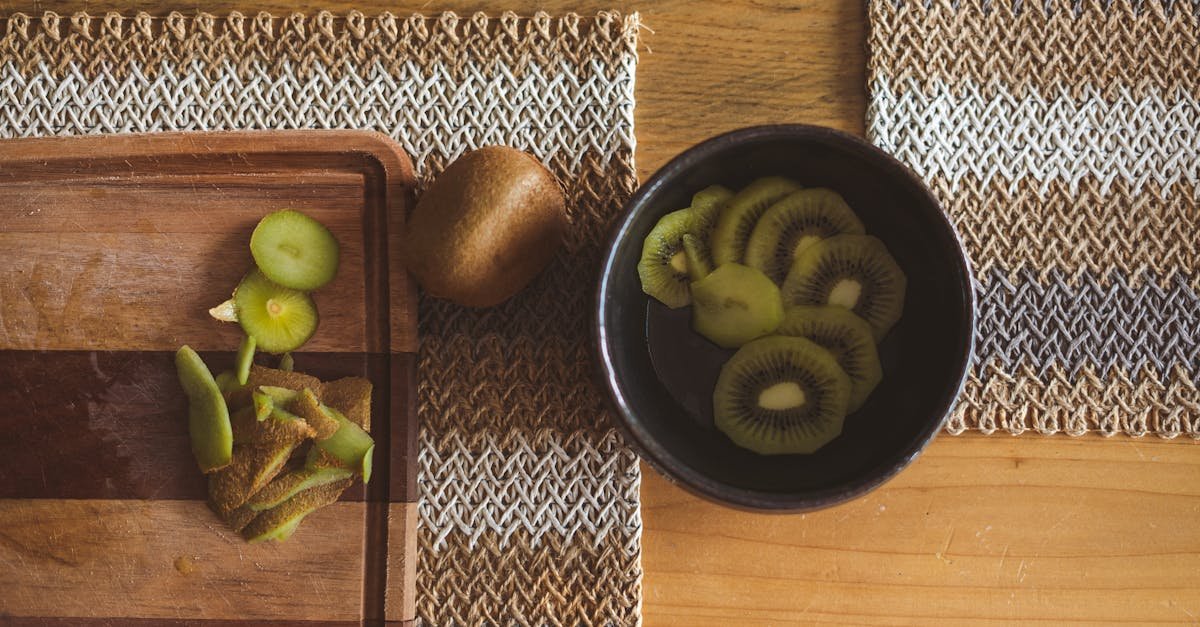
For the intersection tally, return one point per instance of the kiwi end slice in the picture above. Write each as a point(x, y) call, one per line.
point(245, 357)
point(855, 272)
point(794, 223)
point(208, 415)
point(663, 266)
point(741, 213)
point(280, 319)
point(735, 304)
point(847, 337)
point(781, 395)
point(292, 483)
point(294, 250)
point(281, 521)
point(706, 208)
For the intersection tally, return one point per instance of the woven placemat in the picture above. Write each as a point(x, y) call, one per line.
point(529, 508)
point(1064, 140)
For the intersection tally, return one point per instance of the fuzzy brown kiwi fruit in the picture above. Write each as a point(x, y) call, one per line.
point(485, 227)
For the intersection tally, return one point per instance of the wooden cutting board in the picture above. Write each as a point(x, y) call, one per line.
point(112, 249)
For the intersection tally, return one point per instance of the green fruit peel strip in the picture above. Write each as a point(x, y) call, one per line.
point(245, 357)
point(208, 416)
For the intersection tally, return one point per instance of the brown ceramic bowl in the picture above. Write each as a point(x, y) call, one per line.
point(660, 375)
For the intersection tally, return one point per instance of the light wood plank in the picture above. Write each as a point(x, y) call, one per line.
point(402, 561)
point(977, 529)
point(174, 559)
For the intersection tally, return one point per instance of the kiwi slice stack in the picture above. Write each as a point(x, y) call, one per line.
point(293, 255)
point(789, 277)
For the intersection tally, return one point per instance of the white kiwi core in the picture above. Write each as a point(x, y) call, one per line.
point(679, 262)
point(782, 396)
point(845, 293)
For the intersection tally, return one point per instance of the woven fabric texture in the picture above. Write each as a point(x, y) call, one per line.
point(1063, 137)
point(529, 508)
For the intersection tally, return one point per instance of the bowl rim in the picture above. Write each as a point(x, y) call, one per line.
point(658, 456)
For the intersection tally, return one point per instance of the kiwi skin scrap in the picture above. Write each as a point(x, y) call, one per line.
point(352, 397)
point(285, 516)
point(308, 407)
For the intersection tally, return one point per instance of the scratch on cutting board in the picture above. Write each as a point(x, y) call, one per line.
point(941, 555)
point(1021, 572)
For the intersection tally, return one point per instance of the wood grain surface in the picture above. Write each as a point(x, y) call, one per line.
point(980, 529)
point(114, 248)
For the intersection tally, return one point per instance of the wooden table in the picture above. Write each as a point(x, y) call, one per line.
point(980, 528)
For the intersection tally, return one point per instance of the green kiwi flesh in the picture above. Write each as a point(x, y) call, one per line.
point(851, 271)
point(663, 266)
point(294, 250)
point(795, 222)
point(208, 415)
point(735, 304)
point(697, 266)
point(847, 337)
point(245, 357)
point(280, 319)
point(706, 208)
point(781, 395)
point(741, 213)
point(349, 444)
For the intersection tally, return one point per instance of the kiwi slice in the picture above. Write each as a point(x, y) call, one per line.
point(847, 337)
point(706, 208)
point(663, 267)
point(741, 213)
point(281, 521)
point(735, 304)
point(208, 415)
point(697, 265)
point(792, 224)
point(279, 319)
point(851, 271)
point(294, 250)
point(245, 357)
point(781, 395)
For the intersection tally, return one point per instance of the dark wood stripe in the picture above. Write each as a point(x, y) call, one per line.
point(113, 425)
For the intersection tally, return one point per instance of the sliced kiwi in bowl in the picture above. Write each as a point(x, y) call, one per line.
point(663, 266)
point(706, 208)
point(794, 223)
point(855, 272)
point(735, 304)
point(741, 212)
point(781, 395)
point(847, 337)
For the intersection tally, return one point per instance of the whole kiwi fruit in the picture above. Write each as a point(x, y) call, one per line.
point(485, 227)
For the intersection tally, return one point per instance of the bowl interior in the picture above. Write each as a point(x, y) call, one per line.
point(668, 409)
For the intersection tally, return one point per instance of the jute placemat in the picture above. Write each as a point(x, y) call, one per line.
point(529, 508)
point(1064, 140)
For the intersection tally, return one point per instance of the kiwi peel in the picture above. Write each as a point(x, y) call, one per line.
point(208, 415)
point(292, 483)
point(307, 406)
point(352, 397)
point(281, 521)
